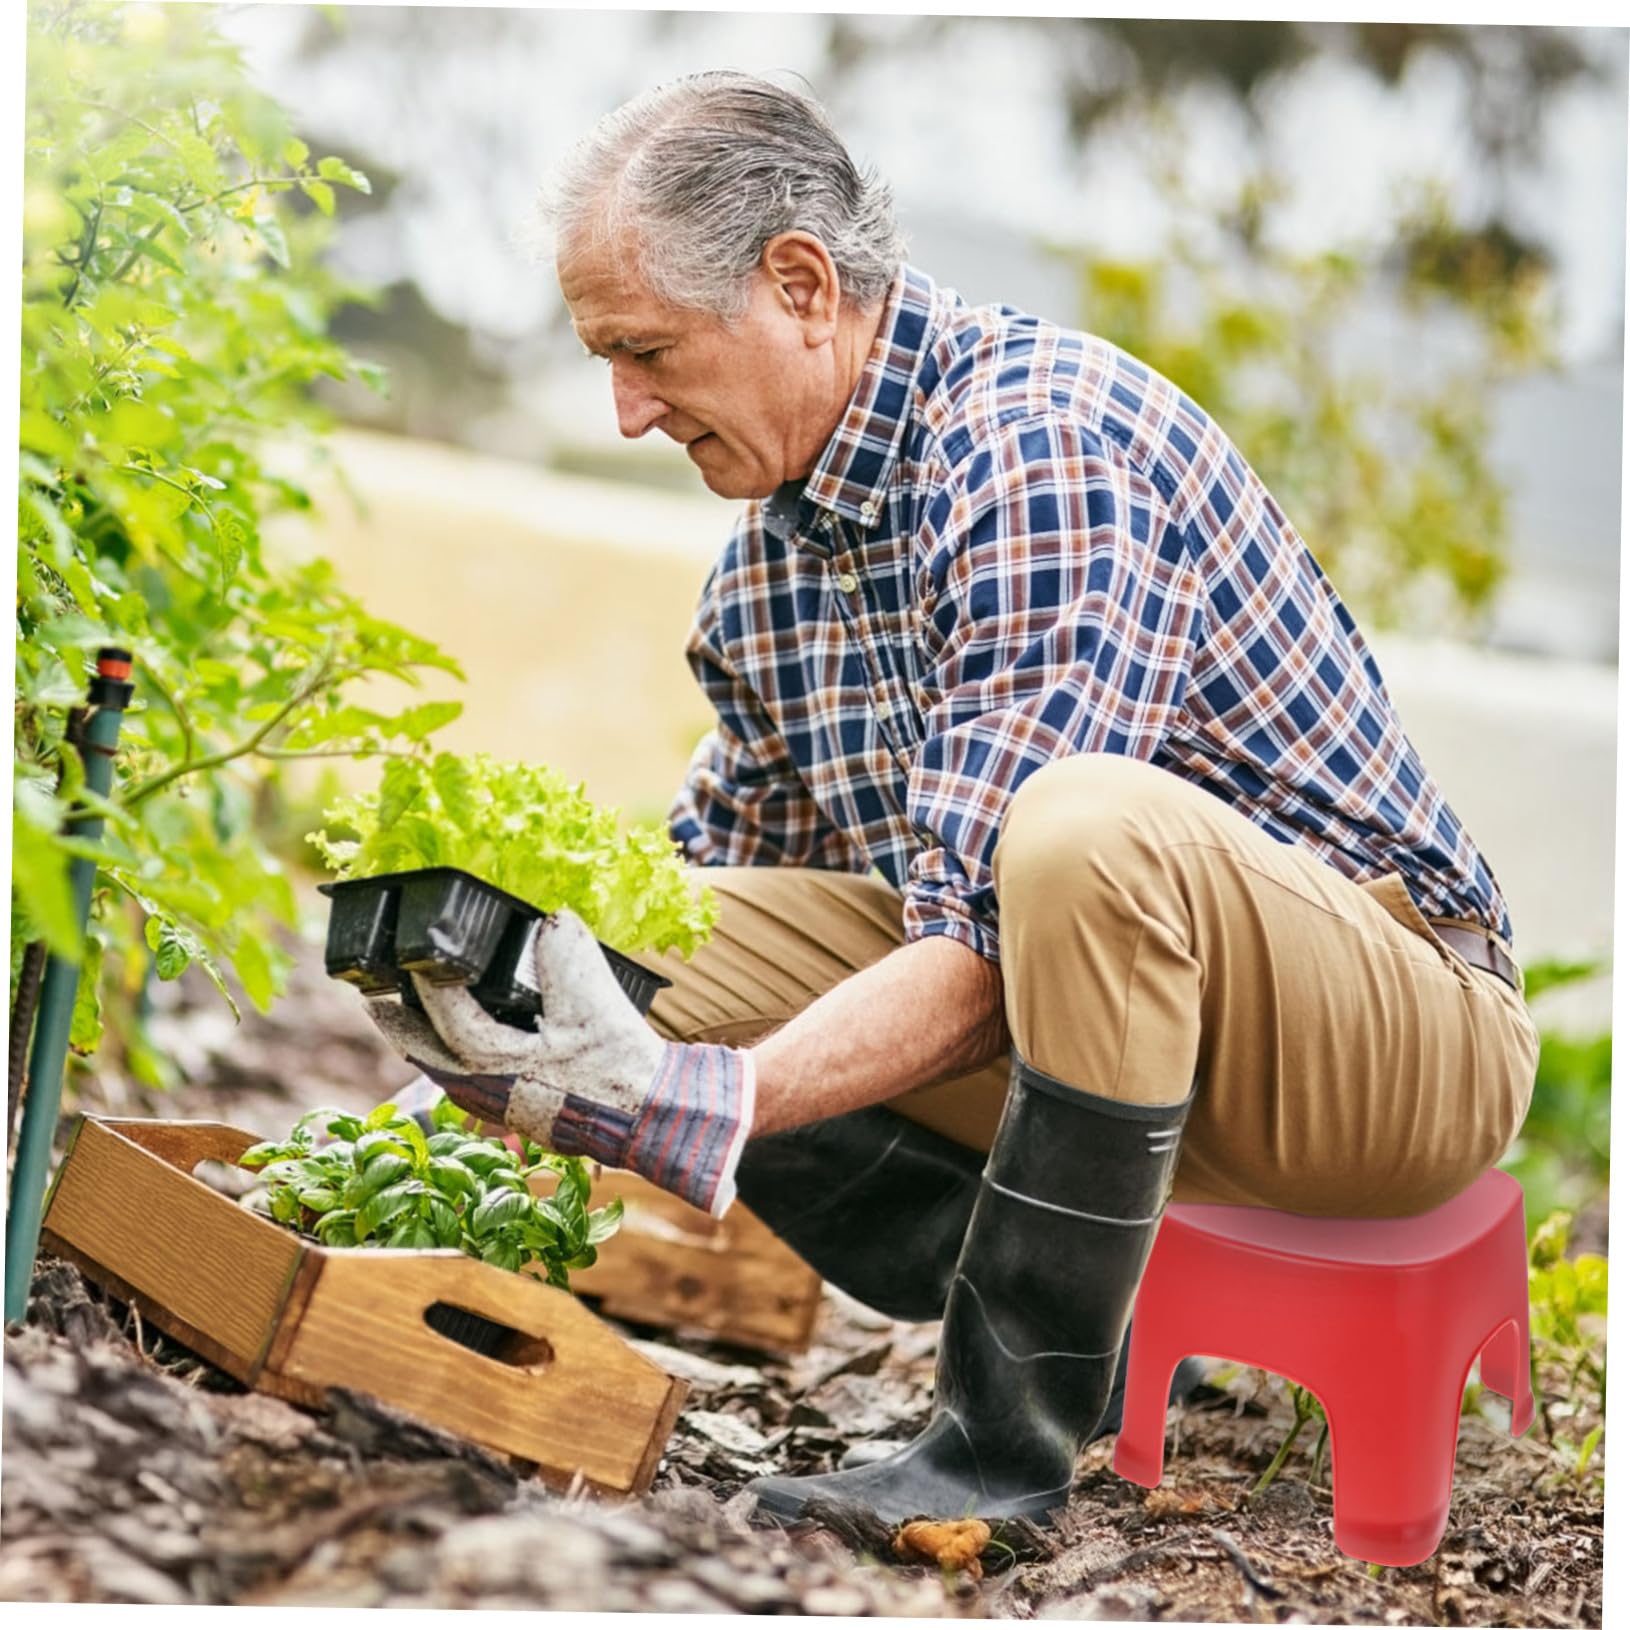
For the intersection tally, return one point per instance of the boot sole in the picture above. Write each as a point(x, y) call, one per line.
point(787, 1506)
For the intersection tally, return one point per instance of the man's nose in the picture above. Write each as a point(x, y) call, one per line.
point(638, 406)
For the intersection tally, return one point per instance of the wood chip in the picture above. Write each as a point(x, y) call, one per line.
point(954, 1546)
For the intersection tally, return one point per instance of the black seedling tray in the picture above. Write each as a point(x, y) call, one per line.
point(453, 929)
point(362, 933)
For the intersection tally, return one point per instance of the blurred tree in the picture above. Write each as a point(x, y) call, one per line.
point(1329, 370)
point(1108, 66)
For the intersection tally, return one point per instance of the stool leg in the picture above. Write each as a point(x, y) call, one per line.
point(1504, 1366)
point(1392, 1446)
point(1140, 1445)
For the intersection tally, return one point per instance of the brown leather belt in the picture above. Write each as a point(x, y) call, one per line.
point(1479, 950)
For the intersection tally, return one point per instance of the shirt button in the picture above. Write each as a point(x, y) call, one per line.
point(848, 582)
point(868, 512)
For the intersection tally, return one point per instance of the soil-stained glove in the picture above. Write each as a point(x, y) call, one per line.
point(593, 1078)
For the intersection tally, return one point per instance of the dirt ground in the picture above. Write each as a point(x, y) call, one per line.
point(131, 1471)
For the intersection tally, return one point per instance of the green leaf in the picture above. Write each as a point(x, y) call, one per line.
point(85, 1028)
point(261, 1154)
point(604, 1221)
point(337, 1229)
point(484, 1157)
point(502, 1253)
point(169, 943)
point(336, 1122)
point(254, 970)
point(321, 194)
point(333, 169)
point(416, 723)
point(379, 1173)
point(387, 1204)
point(453, 1178)
point(270, 233)
point(498, 1209)
point(39, 875)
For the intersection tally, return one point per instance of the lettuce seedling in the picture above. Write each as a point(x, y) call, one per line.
point(382, 1181)
point(522, 828)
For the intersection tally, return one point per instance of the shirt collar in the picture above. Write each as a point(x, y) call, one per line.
point(851, 477)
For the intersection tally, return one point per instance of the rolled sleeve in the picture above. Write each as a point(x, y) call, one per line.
point(1062, 612)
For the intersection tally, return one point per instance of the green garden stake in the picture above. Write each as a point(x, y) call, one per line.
point(109, 696)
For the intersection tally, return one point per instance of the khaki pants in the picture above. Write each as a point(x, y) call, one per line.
point(1153, 939)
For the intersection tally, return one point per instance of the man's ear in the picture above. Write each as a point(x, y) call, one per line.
point(805, 280)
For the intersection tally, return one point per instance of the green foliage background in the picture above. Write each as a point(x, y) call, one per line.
point(175, 314)
point(1380, 463)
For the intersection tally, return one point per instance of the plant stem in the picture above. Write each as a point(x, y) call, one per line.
point(180, 486)
point(136, 249)
point(316, 677)
point(245, 186)
point(1302, 1401)
point(87, 248)
point(182, 717)
point(286, 753)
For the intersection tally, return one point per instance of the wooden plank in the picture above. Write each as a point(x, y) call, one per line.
point(573, 1397)
point(183, 1144)
point(152, 1312)
point(173, 1243)
point(673, 1266)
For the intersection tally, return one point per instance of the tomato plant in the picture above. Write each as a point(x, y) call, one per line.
point(174, 320)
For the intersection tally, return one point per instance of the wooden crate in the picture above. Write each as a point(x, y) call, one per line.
point(293, 1318)
point(675, 1267)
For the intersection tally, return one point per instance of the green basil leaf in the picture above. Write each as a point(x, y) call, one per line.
point(498, 1209)
point(604, 1221)
point(387, 1205)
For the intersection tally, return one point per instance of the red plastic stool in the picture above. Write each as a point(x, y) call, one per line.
point(1380, 1318)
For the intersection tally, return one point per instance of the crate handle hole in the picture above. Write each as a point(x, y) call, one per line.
point(491, 1338)
point(226, 1177)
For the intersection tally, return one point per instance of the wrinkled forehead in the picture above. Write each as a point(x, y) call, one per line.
point(598, 272)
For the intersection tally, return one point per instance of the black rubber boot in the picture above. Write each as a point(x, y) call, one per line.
point(874, 1203)
point(1066, 1216)
point(1189, 1375)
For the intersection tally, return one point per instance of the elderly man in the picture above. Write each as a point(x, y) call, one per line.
point(1071, 852)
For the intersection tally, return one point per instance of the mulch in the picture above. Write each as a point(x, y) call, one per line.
point(133, 1471)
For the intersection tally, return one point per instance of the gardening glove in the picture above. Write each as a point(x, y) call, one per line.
point(593, 1078)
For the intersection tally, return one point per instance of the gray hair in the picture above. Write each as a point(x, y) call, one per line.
point(699, 174)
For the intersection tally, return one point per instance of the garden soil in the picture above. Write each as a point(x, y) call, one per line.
point(132, 1471)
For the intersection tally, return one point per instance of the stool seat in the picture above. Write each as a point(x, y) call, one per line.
point(1379, 1317)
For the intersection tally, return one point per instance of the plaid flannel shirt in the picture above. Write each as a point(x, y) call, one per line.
point(1021, 543)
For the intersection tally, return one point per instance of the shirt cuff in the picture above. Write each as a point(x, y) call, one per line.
point(936, 911)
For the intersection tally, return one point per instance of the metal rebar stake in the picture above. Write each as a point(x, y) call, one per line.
point(110, 694)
